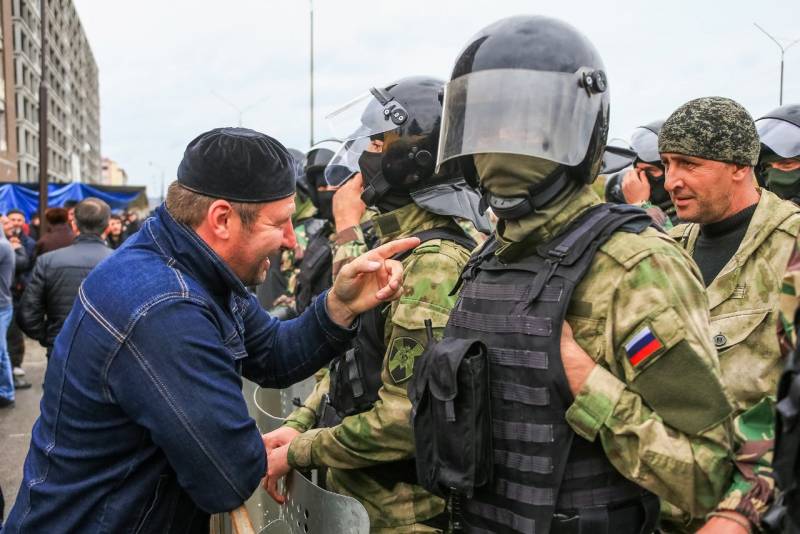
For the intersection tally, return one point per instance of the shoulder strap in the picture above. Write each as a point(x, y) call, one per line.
point(577, 245)
point(447, 233)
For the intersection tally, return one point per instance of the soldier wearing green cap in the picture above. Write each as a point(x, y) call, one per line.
point(741, 238)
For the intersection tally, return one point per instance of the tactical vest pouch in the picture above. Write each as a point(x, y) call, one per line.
point(451, 416)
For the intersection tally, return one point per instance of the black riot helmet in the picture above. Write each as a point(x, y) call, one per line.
point(316, 161)
point(405, 116)
point(613, 188)
point(532, 86)
point(301, 182)
point(779, 131)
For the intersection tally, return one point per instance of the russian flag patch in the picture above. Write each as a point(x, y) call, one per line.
point(642, 346)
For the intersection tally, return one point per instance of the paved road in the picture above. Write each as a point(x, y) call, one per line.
point(16, 423)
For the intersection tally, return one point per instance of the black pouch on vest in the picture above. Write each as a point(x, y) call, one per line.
point(451, 416)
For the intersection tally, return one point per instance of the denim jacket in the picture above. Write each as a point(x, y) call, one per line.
point(143, 427)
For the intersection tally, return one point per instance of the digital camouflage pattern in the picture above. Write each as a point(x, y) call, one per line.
point(667, 434)
point(383, 434)
point(712, 128)
point(744, 302)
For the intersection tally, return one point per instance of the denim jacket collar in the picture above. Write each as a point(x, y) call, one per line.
point(194, 256)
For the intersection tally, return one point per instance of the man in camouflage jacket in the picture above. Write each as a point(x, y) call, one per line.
point(741, 237)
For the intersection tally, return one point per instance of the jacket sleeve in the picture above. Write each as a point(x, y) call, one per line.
point(753, 481)
point(305, 417)
point(32, 307)
point(656, 401)
point(383, 433)
point(175, 376)
point(21, 260)
point(281, 353)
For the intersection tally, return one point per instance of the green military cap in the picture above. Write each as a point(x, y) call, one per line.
point(711, 128)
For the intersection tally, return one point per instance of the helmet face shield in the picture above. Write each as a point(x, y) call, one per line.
point(782, 137)
point(645, 143)
point(344, 163)
point(542, 114)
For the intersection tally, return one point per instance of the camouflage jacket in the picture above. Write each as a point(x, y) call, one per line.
point(744, 303)
point(383, 434)
point(663, 422)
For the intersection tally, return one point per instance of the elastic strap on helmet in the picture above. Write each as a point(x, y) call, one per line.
point(511, 208)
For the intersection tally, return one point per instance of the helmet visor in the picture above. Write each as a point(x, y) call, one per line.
point(370, 114)
point(534, 113)
point(645, 143)
point(616, 158)
point(781, 137)
point(344, 163)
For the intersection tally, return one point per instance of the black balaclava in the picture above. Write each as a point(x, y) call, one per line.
point(381, 194)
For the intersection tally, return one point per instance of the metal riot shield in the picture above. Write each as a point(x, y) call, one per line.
point(292, 396)
point(308, 508)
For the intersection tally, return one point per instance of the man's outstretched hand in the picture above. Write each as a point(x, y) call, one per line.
point(367, 281)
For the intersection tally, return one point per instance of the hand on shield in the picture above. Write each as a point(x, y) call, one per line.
point(277, 468)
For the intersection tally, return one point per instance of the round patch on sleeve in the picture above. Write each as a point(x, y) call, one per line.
point(402, 353)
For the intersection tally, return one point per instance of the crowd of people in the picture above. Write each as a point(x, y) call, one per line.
point(495, 348)
point(37, 295)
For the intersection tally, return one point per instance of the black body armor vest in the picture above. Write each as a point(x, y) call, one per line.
point(315, 274)
point(541, 467)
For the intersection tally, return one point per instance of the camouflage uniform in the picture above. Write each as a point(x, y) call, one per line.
point(383, 434)
point(638, 280)
point(744, 303)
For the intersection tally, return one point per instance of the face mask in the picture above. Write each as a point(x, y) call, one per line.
point(377, 191)
point(658, 195)
point(785, 184)
point(512, 175)
point(325, 205)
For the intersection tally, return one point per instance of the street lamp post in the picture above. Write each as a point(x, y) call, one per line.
point(311, 72)
point(43, 120)
point(240, 111)
point(783, 52)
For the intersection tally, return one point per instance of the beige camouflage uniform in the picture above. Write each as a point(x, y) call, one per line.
point(669, 436)
point(383, 434)
point(291, 258)
point(744, 302)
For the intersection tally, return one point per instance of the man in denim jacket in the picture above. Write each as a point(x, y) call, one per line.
point(143, 426)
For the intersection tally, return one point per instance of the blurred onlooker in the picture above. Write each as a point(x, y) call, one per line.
point(57, 275)
point(34, 227)
point(115, 237)
point(131, 224)
point(23, 265)
point(17, 218)
point(7, 261)
point(69, 205)
point(58, 234)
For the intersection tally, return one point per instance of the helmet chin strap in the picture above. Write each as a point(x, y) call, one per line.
point(375, 189)
point(511, 208)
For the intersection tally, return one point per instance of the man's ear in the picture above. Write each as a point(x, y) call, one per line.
point(742, 173)
point(218, 219)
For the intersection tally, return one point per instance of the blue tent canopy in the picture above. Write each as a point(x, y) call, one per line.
point(25, 198)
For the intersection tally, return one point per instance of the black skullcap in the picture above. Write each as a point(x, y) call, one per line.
point(237, 164)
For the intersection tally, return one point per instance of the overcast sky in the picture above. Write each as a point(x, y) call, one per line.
point(161, 62)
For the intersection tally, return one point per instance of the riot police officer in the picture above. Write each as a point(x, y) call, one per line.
point(779, 163)
point(314, 274)
point(593, 416)
point(643, 183)
point(357, 421)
